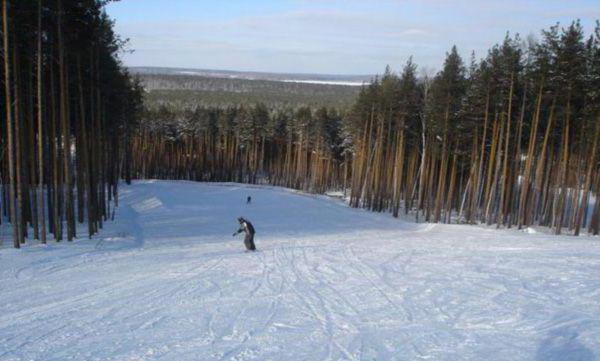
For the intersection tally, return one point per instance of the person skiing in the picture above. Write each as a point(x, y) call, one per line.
point(248, 200)
point(248, 228)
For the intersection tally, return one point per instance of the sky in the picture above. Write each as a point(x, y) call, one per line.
point(328, 36)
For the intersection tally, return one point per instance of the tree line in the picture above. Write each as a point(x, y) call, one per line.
point(69, 108)
point(290, 147)
point(183, 91)
point(510, 139)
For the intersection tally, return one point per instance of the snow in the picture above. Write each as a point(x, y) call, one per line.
point(326, 82)
point(166, 281)
point(305, 81)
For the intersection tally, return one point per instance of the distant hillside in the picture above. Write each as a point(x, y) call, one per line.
point(182, 88)
point(249, 75)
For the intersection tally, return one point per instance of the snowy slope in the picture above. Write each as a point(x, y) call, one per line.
point(166, 281)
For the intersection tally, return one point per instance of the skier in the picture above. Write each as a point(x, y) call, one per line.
point(248, 200)
point(246, 227)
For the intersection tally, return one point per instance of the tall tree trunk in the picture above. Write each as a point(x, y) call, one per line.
point(588, 180)
point(16, 222)
point(41, 204)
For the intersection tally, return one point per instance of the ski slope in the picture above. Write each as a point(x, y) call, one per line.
point(167, 281)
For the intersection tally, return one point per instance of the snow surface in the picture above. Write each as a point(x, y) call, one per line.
point(246, 77)
point(326, 82)
point(167, 281)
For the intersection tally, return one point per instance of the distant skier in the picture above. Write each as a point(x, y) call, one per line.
point(248, 200)
point(248, 229)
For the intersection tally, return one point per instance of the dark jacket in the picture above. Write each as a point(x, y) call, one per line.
point(246, 227)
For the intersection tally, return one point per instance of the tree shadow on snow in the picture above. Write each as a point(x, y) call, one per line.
point(562, 345)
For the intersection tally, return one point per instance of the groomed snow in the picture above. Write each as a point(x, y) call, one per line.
point(167, 281)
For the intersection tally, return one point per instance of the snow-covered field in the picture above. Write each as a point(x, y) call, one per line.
point(327, 82)
point(167, 281)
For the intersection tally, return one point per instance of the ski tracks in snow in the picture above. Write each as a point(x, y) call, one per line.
point(167, 283)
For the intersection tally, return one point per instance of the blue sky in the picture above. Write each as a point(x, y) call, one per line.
point(328, 36)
